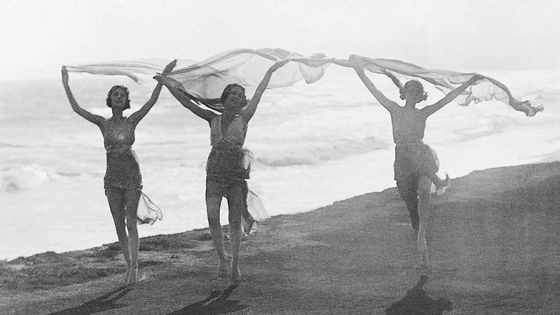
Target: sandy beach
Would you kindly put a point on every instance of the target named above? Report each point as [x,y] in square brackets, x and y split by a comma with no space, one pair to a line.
[494,242]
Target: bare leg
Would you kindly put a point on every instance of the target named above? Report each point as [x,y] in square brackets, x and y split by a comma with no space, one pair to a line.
[408,189]
[132,198]
[116,200]
[424,212]
[213,213]
[236,204]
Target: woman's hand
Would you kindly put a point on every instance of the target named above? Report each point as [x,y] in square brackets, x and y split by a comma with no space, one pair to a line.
[167,81]
[169,67]
[161,79]
[476,77]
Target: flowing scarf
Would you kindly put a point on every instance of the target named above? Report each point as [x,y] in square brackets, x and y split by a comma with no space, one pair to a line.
[204,81]
[445,80]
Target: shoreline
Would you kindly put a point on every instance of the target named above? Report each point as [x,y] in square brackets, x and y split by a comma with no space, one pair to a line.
[493,242]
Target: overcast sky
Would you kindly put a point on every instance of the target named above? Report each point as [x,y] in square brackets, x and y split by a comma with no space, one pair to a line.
[37,37]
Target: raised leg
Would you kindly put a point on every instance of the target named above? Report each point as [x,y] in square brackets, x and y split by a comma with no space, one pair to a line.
[408,189]
[441,184]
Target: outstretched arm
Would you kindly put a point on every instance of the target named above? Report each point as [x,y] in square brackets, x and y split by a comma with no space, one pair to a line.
[96,119]
[381,98]
[178,91]
[141,113]
[429,110]
[393,78]
[251,108]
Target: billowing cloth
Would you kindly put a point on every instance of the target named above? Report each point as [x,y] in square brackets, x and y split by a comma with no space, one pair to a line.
[148,212]
[446,81]
[138,70]
[255,207]
[205,80]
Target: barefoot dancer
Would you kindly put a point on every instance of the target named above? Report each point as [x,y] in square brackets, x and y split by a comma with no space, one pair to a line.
[441,184]
[415,163]
[226,168]
[123,181]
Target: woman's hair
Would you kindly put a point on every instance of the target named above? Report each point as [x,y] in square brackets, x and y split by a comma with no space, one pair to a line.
[113,89]
[228,89]
[413,85]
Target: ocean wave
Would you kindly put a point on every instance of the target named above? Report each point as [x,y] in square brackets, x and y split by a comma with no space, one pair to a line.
[545,97]
[317,152]
[9,145]
[23,177]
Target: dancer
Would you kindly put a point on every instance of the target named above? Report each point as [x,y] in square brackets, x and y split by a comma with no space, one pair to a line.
[122,181]
[228,164]
[415,164]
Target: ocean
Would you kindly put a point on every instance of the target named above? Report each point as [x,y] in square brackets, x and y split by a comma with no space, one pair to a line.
[313,145]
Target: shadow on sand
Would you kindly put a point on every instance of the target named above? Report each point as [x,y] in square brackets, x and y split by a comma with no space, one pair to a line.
[103,303]
[216,303]
[416,301]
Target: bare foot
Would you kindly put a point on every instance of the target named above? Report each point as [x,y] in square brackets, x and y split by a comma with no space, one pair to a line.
[446,183]
[235,275]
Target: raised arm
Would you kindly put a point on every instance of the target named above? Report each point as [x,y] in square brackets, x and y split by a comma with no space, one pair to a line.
[96,119]
[251,108]
[141,113]
[381,98]
[394,79]
[429,110]
[182,96]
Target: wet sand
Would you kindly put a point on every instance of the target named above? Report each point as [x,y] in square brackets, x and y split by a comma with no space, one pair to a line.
[494,244]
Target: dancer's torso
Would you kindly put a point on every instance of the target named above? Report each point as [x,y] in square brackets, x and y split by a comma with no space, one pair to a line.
[117,134]
[234,134]
[408,125]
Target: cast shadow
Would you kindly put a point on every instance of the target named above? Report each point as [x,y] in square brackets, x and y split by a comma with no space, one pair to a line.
[416,301]
[103,303]
[216,303]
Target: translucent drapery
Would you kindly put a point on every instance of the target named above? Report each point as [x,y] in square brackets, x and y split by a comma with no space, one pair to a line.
[483,90]
[205,80]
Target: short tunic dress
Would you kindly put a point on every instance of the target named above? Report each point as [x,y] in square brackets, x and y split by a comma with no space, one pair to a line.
[123,170]
[413,158]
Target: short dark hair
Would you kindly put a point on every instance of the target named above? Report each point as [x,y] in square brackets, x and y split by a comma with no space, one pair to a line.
[228,89]
[115,87]
[413,84]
